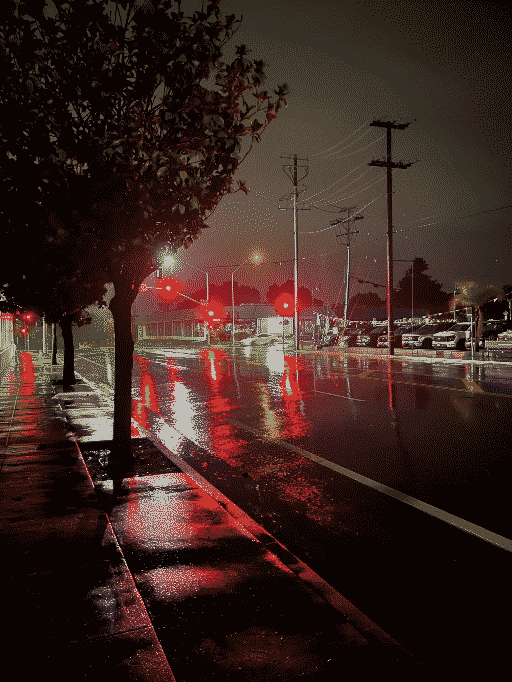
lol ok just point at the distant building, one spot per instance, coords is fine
(6, 330)
(172, 324)
(184, 324)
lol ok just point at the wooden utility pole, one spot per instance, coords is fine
(339, 237)
(390, 166)
(293, 177)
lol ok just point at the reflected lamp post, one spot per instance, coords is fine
(255, 260)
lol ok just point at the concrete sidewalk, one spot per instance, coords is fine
(169, 581)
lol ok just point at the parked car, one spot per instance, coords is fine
(382, 341)
(348, 336)
(503, 342)
(454, 337)
(262, 339)
(422, 337)
(329, 340)
(370, 338)
(492, 328)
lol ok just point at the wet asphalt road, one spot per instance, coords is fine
(435, 433)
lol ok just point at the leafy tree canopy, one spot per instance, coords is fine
(365, 300)
(305, 298)
(427, 292)
(222, 294)
(122, 124)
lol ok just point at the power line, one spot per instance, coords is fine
(346, 146)
(447, 220)
(325, 229)
(342, 141)
(347, 185)
(336, 182)
(349, 196)
(362, 148)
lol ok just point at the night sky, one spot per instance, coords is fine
(443, 67)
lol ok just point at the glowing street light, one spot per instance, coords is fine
(169, 260)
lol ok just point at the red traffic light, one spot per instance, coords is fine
(211, 312)
(285, 305)
(168, 287)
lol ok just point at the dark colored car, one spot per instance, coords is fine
(329, 340)
(370, 338)
(382, 341)
(348, 337)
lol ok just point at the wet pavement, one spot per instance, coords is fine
(169, 580)
(388, 477)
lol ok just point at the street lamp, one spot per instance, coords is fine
(255, 260)
(170, 261)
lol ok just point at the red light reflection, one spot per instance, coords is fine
(296, 424)
(226, 445)
(149, 396)
(27, 374)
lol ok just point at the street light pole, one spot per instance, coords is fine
(172, 261)
(256, 259)
(233, 309)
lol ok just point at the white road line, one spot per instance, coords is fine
(461, 524)
(472, 386)
(337, 395)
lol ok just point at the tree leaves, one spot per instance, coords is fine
(85, 107)
(243, 187)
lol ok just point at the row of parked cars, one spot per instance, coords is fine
(437, 335)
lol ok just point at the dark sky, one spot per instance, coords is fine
(444, 67)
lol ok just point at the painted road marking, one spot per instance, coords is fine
(337, 395)
(456, 521)
(472, 386)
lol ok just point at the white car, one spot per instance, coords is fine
(504, 341)
(262, 339)
(455, 337)
(422, 337)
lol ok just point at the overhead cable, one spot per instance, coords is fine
(342, 141)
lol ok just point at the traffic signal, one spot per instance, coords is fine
(285, 305)
(211, 312)
(168, 287)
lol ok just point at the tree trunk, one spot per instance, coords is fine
(121, 454)
(479, 328)
(54, 344)
(68, 373)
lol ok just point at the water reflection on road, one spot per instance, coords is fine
(398, 422)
